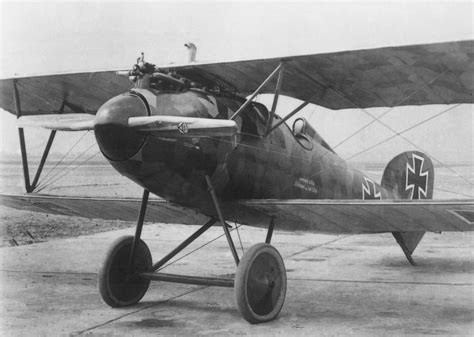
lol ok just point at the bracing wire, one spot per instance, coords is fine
(390, 128)
(355, 133)
(453, 192)
(65, 169)
(416, 146)
(62, 158)
(238, 234)
(74, 168)
(196, 249)
(390, 109)
(401, 132)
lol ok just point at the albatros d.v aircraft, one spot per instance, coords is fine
(193, 135)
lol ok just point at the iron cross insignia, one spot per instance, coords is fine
(370, 190)
(183, 127)
(416, 179)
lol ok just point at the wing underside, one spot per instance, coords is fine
(74, 93)
(326, 216)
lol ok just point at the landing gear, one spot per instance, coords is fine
(120, 283)
(120, 278)
(260, 283)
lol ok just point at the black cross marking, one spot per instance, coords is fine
(369, 190)
(417, 180)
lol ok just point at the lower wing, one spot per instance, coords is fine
(328, 216)
(361, 216)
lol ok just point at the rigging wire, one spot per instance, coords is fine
(72, 169)
(391, 108)
(76, 167)
(401, 132)
(238, 233)
(360, 130)
(416, 146)
(404, 138)
(65, 169)
(459, 193)
(196, 249)
(61, 160)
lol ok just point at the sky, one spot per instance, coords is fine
(50, 37)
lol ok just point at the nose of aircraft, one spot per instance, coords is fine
(116, 140)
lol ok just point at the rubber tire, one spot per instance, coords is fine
(253, 262)
(117, 286)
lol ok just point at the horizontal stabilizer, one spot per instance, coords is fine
(176, 126)
(60, 122)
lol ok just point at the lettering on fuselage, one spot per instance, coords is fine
(306, 185)
(370, 190)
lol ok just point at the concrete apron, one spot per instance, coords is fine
(337, 285)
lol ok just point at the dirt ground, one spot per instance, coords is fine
(26, 227)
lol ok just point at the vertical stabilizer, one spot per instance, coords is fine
(409, 175)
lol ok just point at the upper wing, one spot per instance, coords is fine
(359, 216)
(79, 92)
(329, 216)
(441, 73)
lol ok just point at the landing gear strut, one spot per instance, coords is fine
(259, 285)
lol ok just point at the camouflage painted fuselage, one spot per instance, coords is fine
(248, 165)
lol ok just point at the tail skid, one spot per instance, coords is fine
(408, 241)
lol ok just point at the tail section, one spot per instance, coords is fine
(409, 175)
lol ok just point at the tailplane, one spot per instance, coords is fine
(409, 175)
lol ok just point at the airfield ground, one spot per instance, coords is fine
(337, 285)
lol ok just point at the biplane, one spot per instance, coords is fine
(194, 135)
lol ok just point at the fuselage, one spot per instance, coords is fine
(285, 164)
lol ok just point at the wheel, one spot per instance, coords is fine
(260, 283)
(118, 285)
